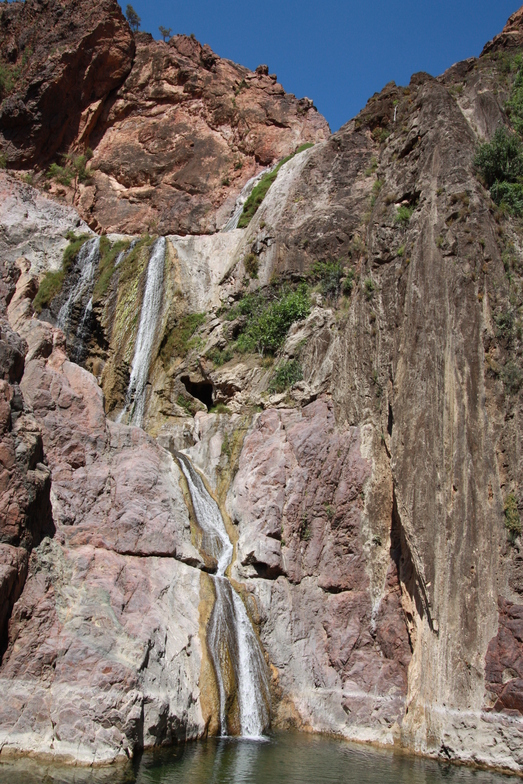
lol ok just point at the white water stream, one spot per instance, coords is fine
(87, 262)
(246, 191)
(151, 305)
(231, 637)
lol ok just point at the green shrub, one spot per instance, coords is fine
(269, 321)
(108, 255)
(512, 519)
(329, 274)
(186, 404)
(369, 288)
(509, 196)
(501, 159)
(219, 408)
(348, 283)
(512, 377)
(53, 280)
(61, 174)
(219, 356)
(505, 323)
(514, 105)
(286, 376)
(251, 265)
(260, 190)
(403, 215)
(73, 171)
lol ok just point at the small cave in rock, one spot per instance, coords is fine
(201, 390)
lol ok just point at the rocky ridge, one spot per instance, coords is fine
(176, 131)
(366, 501)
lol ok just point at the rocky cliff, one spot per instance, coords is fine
(345, 371)
(176, 131)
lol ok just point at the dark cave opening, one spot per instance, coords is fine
(201, 390)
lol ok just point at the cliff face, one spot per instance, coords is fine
(363, 454)
(176, 131)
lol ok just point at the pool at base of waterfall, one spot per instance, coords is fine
(283, 758)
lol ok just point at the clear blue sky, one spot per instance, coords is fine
(337, 52)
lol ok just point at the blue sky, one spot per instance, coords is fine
(336, 52)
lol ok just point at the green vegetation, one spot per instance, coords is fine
(369, 288)
(512, 519)
(304, 530)
(514, 105)
(348, 283)
(132, 18)
(376, 189)
(73, 170)
(10, 74)
(403, 215)
(512, 377)
(220, 356)
(251, 265)
(286, 376)
(372, 167)
(165, 32)
(52, 282)
(186, 404)
(329, 275)
(3, 161)
(108, 255)
(177, 341)
(269, 316)
(260, 190)
(500, 161)
(219, 408)
(226, 446)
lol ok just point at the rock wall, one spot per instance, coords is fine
(365, 502)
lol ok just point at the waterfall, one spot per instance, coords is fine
(87, 263)
(83, 332)
(152, 302)
(230, 635)
(246, 191)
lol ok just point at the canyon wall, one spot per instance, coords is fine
(366, 498)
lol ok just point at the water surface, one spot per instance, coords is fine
(285, 758)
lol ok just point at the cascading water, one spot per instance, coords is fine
(246, 191)
(83, 332)
(231, 637)
(80, 295)
(151, 305)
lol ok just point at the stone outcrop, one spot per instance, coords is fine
(62, 60)
(108, 622)
(183, 135)
(25, 508)
(176, 131)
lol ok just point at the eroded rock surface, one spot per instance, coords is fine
(100, 656)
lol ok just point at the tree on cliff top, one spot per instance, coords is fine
(133, 18)
(165, 32)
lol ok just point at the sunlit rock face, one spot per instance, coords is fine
(365, 499)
